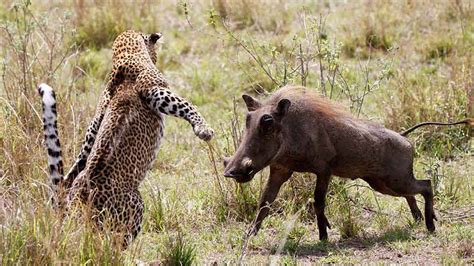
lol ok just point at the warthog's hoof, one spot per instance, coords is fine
(323, 224)
(430, 225)
(323, 236)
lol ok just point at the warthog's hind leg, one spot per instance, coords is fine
(408, 188)
(427, 193)
(411, 187)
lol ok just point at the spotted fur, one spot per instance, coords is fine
(124, 135)
(128, 49)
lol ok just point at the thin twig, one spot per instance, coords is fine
(253, 55)
(214, 166)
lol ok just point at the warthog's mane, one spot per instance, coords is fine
(310, 97)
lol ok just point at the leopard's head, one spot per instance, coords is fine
(132, 42)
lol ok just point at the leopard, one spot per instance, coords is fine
(122, 139)
(125, 46)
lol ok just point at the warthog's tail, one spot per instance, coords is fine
(51, 138)
(467, 121)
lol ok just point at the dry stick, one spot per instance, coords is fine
(31, 106)
(367, 88)
(303, 76)
(24, 56)
(254, 57)
(226, 138)
(332, 82)
(367, 208)
(290, 71)
(260, 61)
(236, 128)
(186, 14)
(363, 207)
(458, 217)
(52, 47)
(11, 40)
(214, 166)
(36, 53)
(74, 134)
(321, 69)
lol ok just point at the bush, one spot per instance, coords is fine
(178, 252)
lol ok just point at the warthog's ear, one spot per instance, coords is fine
(251, 103)
(283, 106)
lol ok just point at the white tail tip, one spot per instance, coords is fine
(47, 94)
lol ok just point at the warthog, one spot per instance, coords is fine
(298, 131)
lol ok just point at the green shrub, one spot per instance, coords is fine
(178, 252)
(440, 49)
(95, 64)
(99, 28)
(415, 97)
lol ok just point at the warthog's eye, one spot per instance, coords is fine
(266, 121)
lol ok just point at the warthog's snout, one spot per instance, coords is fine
(241, 171)
(233, 174)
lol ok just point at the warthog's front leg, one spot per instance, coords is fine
(277, 177)
(322, 185)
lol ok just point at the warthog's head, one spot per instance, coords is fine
(261, 141)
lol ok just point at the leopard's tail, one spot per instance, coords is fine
(51, 137)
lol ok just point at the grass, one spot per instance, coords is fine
(179, 252)
(393, 62)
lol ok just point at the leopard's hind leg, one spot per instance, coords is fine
(122, 214)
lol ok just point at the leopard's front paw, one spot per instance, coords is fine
(204, 132)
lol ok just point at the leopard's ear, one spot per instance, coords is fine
(154, 37)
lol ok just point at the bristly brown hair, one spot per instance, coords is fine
(321, 105)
